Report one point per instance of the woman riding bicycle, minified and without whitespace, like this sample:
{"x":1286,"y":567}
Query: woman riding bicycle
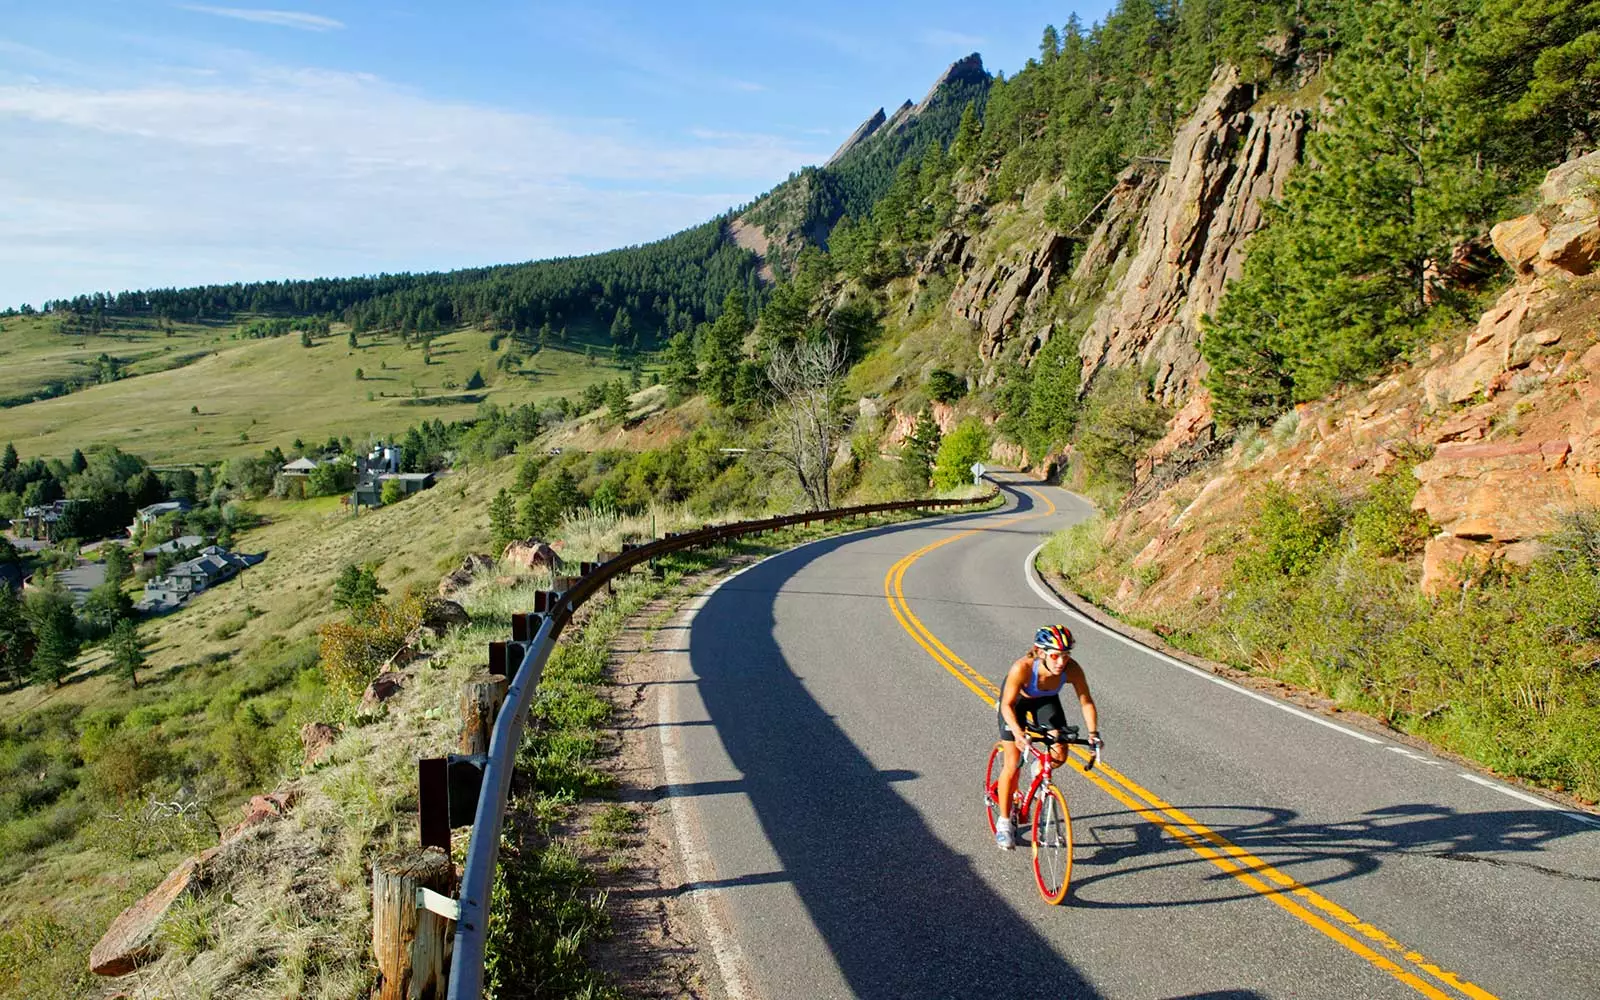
{"x":1031,"y":697}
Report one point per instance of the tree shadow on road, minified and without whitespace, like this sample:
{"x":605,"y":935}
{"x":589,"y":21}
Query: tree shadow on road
{"x":901,"y":913}
{"x":1119,"y":844}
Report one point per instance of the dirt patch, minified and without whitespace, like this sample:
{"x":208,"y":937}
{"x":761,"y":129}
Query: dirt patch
{"x":655,"y":948}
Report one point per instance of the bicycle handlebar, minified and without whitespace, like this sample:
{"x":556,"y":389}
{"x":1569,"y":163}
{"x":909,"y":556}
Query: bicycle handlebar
{"x":1070,"y":738}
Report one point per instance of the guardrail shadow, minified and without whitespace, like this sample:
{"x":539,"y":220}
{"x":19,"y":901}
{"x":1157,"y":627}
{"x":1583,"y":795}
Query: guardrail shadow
{"x":901,"y":913}
{"x":1120,"y":844}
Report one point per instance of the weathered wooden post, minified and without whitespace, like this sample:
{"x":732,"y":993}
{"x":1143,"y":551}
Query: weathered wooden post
{"x":411,"y":944}
{"x":481,"y":698}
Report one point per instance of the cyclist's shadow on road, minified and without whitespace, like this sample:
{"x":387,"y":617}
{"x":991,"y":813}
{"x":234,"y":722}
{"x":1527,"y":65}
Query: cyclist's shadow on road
{"x":901,"y":913}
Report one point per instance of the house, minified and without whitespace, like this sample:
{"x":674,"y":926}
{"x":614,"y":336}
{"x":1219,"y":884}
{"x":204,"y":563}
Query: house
{"x":175,"y":547}
{"x":147,"y":516}
{"x":44,"y":522}
{"x":380,"y":466}
{"x":300,"y":467}
{"x":369,"y":492}
{"x":211,"y":566}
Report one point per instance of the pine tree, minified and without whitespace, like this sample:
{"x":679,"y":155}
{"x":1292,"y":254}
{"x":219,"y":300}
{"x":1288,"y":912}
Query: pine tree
{"x":10,"y":461}
{"x":725,"y":349}
{"x":921,"y":447}
{"x":617,"y":400}
{"x":16,"y":638}
{"x":127,"y":652}
{"x":502,"y":521}
{"x":682,"y":373}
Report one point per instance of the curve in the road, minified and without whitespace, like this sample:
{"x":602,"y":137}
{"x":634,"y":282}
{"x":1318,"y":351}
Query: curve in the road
{"x":1250,"y":870}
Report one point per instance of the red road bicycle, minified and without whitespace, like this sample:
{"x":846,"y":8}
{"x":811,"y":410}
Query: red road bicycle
{"x":1045,"y":808}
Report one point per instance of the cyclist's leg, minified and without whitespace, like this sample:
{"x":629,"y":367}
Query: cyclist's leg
{"x":1006,"y":788}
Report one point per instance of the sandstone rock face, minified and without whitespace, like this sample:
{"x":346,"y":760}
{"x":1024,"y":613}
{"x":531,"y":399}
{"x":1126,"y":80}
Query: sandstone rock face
{"x":1448,"y":562}
{"x":261,"y":809}
{"x":992,"y":297}
{"x":130,"y":940}
{"x":1227,"y":163}
{"x":1489,"y":348}
{"x":1502,"y":492}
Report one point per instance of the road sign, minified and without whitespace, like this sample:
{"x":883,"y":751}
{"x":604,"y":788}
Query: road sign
{"x":977,"y":473}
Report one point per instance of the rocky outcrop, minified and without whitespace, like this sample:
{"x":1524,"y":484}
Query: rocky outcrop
{"x":992,"y":297}
{"x":130,"y":941}
{"x":318,"y":739}
{"x":1227,"y":162}
{"x":471,"y":567}
{"x":863,"y":130}
{"x":531,"y":553}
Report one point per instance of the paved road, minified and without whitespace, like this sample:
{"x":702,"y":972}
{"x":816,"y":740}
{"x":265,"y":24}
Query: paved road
{"x":825,"y":767}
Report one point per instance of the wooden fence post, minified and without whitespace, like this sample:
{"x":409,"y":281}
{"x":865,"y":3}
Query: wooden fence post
{"x":481,"y":698}
{"x":410,"y":944}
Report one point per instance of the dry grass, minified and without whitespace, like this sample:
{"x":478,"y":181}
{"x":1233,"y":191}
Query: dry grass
{"x":253,"y":394}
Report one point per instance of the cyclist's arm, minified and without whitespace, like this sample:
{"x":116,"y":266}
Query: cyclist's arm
{"x":1080,"y":684}
{"x":1008,"y":701}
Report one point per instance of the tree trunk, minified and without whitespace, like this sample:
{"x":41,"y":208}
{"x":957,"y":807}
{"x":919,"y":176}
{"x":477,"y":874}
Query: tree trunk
{"x":411,"y":945}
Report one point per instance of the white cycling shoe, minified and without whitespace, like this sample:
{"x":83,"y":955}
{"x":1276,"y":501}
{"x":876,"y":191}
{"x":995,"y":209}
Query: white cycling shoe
{"x":1005,"y":835}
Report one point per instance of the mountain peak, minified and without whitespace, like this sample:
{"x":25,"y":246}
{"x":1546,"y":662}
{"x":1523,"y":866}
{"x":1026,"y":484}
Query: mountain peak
{"x":964,"y":70}
{"x":863,"y":130}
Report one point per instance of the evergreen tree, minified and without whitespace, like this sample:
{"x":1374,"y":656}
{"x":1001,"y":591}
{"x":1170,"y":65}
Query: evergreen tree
{"x":49,"y":615}
{"x":502,"y":521}
{"x":356,"y":590}
{"x":16,"y":638}
{"x":127,"y":652}
{"x":968,"y":136}
{"x":617,"y":400}
{"x":682,"y":373}
{"x":10,"y":461}
{"x":921,"y":447}
{"x":725,"y":349}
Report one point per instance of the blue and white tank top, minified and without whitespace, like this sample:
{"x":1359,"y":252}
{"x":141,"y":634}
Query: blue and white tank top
{"x":1031,"y":688}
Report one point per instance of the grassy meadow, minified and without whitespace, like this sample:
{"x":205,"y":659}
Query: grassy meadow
{"x":202,"y":395}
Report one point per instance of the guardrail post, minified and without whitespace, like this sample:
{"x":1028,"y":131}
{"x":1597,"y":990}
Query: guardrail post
{"x":433,"y":802}
{"x":409,"y":943}
{"x":481,"y":698}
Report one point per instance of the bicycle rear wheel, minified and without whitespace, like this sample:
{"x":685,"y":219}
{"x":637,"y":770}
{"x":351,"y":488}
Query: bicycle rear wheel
{"x":1052,"y":844}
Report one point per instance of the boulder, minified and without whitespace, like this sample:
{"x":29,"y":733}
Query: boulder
{"x":441,"y":613}
{"x":318,"y":739}
{"x":1518,"y":241}
{"x":261,"y":809}
{"x":1571,"y":187}
{"x":1488,"y":349}
{"x":1448,"y":562}
{"x":472,"y":566}
{"x":383,"y":687}
{"x":1572,"y":246}
{"x":130,"y":940}
{"x":531,"y":553}
{"x":1503,"y":492}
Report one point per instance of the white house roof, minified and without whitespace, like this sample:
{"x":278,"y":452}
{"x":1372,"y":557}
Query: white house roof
{"x":301,"y":465}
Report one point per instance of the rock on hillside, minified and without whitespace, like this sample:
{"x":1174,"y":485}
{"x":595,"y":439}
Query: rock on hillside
{"x":1228,"y":160}
{"x":1507,"y":417}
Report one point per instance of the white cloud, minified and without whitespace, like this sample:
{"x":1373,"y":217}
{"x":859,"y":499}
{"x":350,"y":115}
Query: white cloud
{"x":281,"y":18}
{"x":940,"y":38}
{"x":278,"y":172}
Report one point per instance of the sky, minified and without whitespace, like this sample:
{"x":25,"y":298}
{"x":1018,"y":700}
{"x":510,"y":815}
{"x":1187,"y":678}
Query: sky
{"x":159,"y":144}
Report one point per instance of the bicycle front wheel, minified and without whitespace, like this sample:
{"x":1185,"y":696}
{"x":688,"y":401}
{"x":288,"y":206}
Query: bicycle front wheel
{"x":1052,"y":844}
{"x":991,"y":781}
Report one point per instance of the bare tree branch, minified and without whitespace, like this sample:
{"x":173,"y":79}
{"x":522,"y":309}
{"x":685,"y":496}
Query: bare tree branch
{"x":808,"y":376}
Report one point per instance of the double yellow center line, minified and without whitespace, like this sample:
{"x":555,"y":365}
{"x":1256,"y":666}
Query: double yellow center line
{"x":1310,"y":907}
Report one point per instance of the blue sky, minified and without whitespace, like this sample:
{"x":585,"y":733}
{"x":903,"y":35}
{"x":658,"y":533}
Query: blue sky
{"x":148,"y":144}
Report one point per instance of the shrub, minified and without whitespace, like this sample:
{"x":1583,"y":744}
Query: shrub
{"x":1291,"y":532}
{"x":1384,"y":522}
{"x":1076,"y":551}
{"x":946,"y":386}
{"x":966,"y":444}
{"x":1119,"y":422}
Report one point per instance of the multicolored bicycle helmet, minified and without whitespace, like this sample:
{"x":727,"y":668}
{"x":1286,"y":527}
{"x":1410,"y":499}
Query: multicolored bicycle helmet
{"x":1054,"y":637}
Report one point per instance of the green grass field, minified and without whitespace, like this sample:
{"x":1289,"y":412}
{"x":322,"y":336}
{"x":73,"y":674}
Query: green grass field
{"x":240,"y":396}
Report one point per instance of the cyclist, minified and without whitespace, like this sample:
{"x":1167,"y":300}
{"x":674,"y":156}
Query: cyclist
{"x":1031,"y":695}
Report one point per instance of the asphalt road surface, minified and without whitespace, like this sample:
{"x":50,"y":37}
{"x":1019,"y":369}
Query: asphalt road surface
{"x":824,"y":741}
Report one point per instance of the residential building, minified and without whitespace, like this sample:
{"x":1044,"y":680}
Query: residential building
{"x":211,"y":566}
{"x":147,"y":516}
{"x":44,"y":522}
{"x":300,"y":467}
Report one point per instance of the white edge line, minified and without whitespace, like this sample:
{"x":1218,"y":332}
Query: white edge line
{"x":1531,"y":799}
{"x":1049,"y":598}
{"x":1029,"y":573}
{"x":698,"y":867}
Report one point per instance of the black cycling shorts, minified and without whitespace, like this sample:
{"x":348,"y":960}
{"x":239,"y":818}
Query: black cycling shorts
{"x":1044,"y":714}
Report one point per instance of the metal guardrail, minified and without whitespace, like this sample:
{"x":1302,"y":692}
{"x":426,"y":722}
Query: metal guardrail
{"x":546,"y":623}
